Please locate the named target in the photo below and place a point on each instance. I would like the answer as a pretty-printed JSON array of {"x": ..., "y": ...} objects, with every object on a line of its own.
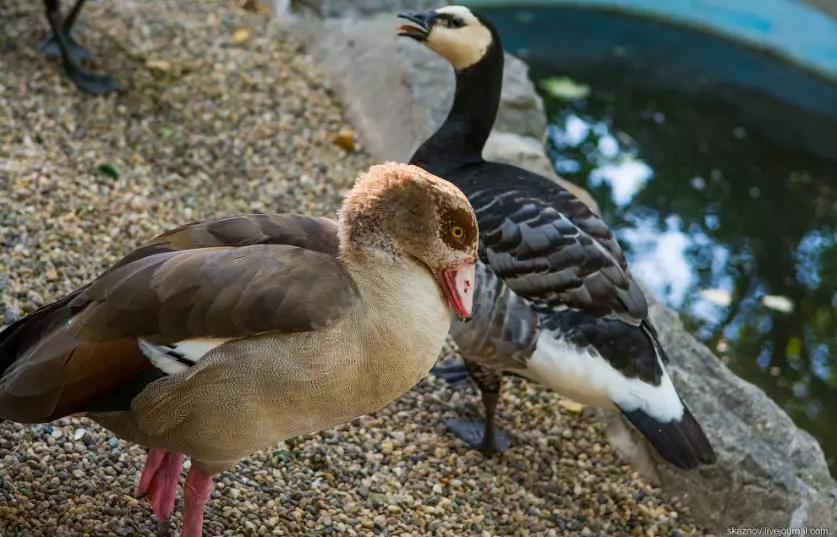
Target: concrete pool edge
[{"x": 790, "y": 29}]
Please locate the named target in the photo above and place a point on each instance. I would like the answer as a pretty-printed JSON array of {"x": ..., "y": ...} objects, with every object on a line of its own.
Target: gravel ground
[{"x": 217, "y": 122}]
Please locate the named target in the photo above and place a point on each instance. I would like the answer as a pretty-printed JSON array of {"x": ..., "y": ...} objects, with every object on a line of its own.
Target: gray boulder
[{"x": 770, "y": 473}]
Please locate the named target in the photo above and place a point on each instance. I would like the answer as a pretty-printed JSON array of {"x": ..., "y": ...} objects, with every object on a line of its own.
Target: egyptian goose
[
  {"x": 222, "y": 338},
  {"x": 557, "y": 302}
]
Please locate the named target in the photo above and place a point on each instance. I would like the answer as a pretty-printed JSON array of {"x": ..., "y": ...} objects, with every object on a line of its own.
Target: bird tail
[
  {"x": 40, "y": 344},
  {"x": 680, "y": 442},
  {"x": 30, "y": 328}
]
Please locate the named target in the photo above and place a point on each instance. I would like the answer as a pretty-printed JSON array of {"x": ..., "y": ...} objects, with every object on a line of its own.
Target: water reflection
[{"x": 730, "y": 228}]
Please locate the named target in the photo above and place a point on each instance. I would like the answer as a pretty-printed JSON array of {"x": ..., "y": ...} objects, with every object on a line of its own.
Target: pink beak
[{"x": 458, "y": 283}]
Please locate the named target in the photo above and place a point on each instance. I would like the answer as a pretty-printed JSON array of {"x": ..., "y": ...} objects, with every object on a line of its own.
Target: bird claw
[
  {"x": 158, "y": 483},
  {"x": 163, "y": 527},
  {"x": 90, "y": 82},
  {"x": 48, "y": 45},
  {"x": 472, "y": 432}
]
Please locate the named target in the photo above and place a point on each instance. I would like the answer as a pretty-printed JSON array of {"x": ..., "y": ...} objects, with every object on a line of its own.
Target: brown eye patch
[{"x": 457, "y": 228}]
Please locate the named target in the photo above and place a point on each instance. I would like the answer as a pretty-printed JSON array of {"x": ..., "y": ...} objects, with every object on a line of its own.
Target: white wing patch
[
  {"x": 590, "y": 379},
  {"x": 179, "y": 357}
]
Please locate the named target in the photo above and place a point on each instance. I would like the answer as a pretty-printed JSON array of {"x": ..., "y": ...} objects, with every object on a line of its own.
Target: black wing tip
[{"x": 681, "y": 443}]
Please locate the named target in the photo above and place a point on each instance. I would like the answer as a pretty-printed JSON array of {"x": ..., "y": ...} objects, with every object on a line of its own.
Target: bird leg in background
[
  {"x": 159, "y": 484},
  {"x": 72, "y": 54},
  {"x": 197, "y": 491},
  {"x": 502, "y": 334},
  {"x": 49, "y": 44},
  {"x": 483, "y": 435}
]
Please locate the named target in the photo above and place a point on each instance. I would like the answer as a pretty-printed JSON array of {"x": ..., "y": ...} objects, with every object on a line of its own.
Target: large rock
[{"x": 770, "y": 473}]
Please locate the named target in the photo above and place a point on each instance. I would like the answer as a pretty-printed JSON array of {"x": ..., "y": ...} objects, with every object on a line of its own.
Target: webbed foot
[
  {"x": 472, "y": 432},
  {"x": 90, "y": 82},
  {"x": 454, "y": 373},
  {"x": 48, "y": 45}
]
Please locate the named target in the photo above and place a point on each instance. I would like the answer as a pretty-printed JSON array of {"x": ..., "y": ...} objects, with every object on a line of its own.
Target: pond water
[{"x": 716, "y": 166}]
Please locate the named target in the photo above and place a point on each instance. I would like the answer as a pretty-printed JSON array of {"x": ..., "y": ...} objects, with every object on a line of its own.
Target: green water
[{"x": 721, "y": 186}]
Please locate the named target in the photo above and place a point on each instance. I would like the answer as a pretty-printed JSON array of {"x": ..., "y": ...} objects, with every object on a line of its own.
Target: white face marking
[
  {"x": 461, "y": 46},
  {"x": 589, "y": 379}
]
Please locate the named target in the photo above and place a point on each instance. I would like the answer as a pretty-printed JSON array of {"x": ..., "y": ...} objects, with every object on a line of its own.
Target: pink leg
[
  {"x": 159, "y": 484},
  {"x": 197, "y": 491},
  {"x": 152, "y": 462}
]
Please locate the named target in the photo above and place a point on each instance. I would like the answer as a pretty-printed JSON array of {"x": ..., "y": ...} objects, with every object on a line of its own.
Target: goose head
[
  {"x": 397, "y": 212},
  {"x": 453, "y": 32}
]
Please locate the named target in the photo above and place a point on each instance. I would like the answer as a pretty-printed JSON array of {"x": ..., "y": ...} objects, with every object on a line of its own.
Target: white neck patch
[{"x": 463, "y": 46}]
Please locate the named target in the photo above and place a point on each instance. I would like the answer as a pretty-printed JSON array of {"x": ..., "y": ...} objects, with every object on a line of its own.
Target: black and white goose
[{"x": 557, "y": 303}]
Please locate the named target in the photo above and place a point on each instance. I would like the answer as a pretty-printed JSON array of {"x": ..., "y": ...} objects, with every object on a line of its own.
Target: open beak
[
  {"x": 423, "y": 23},
  {"x": 458, "y": 284}
]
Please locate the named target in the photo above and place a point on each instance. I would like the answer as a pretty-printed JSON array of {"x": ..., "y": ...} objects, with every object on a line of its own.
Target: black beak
[{"x": 423, "y": 22}]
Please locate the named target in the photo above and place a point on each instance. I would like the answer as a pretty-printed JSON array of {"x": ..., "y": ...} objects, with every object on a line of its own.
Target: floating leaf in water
[
  {"x": 778, "y": 303},
  {"x": 717, "y": 296},
  {"x": 108, "y": 170},
  {"x": 525, "y": 16},
  {"x": 563, "y": 87},
  {"x": 241, "y": 35},
  {"x": 625, "y": 138},
  {"x": 794, "y": 347},
  {"x": 620, "y": 51}
]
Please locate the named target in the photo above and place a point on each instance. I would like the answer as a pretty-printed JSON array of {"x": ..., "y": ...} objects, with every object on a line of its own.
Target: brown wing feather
[
  {"x": 230, "y": 277},
  {"x": 54, "y": 374},
  {"x": 312, "y": 233},
  {"x": 91, "y": 374},
  {"x": 215, "y": 292}
]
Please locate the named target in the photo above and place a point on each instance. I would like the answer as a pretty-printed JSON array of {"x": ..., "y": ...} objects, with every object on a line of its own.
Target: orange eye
[{"x": 457, "y": 232}]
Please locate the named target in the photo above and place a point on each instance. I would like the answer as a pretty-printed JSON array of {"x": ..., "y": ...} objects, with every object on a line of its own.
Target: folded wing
[
  {"x": 549, "y": 248},
  {"x": 226, "y": 278}
]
